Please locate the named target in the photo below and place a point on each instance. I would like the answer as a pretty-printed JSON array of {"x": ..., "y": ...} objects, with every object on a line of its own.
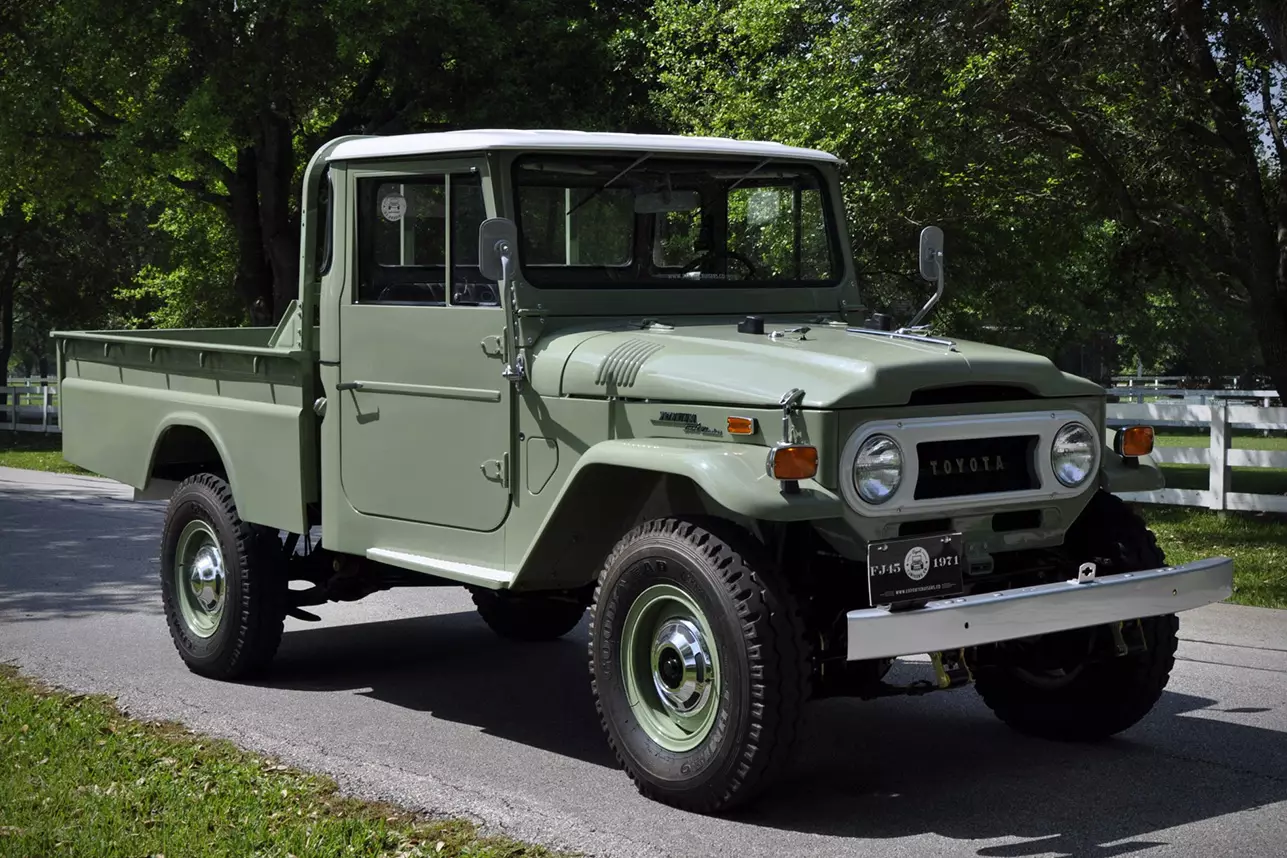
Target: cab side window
[{"x": 418, "y": 241}]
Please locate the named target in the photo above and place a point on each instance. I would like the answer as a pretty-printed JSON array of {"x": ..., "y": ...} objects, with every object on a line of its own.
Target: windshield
[{"x": 640, "y": 220}]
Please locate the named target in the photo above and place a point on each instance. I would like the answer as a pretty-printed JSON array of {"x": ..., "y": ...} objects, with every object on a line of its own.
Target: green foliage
[
  {"x": 1069, "y": 149},
  {"x": 204, "y": 115},
  {"x": 191, "y": 286}
]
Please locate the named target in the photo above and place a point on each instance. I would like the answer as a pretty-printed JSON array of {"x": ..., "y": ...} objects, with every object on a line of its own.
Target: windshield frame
[{"x": 644, "y": 238}]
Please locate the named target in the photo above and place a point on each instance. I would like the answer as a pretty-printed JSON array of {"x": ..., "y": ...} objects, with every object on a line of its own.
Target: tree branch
[
  {"x": 1274, "y": 18},
  {"x": 199, "y": 190},
  {"x": 350, "y": 115},
  {"x": 1267, "y": 102},
  {"x": 214, "y": 165},
  {"x": 91, "y": 107},
  {"x": 73, "y": 136}
]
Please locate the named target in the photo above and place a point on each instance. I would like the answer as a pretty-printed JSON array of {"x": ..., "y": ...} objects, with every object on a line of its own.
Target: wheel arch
[
  {"x": 617, "y": 484},
  {"x": 185, "y": 444}
]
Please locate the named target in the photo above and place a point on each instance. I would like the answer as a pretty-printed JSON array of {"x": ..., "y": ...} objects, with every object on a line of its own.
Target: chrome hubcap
[
  {"x": 681, "y": 666},
  {"x": 200, "y": 579},
  {"x": 670, "y": 667}
]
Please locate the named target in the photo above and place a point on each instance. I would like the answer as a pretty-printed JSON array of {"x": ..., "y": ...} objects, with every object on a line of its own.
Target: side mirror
[
  {"x": 931, "y": 269},
  {"x": 497, "y": 244},
  {"x": 931, "y": 253}
]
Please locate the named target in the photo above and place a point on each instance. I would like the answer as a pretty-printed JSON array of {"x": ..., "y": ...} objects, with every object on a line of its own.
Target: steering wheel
[{"x": 721, "y": 254}]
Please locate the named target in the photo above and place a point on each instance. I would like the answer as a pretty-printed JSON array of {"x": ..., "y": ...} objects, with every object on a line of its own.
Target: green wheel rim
[
  {"x": 200, "y": 580},
  {"x": 671, "y": 670}
]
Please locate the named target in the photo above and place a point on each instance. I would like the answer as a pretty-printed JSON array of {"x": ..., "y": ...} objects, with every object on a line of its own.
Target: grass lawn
[
  {"x": 1256, "y": 542},
  {"x": 78, "y": 778},
  {"x": 35, "y": 452},
  {"x": 1238, "y": 442}
]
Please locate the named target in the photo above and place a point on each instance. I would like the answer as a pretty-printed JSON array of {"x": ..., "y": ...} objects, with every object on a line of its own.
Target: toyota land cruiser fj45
[{"x": 632, "y": 376}]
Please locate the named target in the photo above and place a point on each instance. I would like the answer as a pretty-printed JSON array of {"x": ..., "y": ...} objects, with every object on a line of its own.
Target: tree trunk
[
  {"x": 279, "y": 230},
  {"x": 8, "y": 281},
  {"x": 254, "y": 279}
]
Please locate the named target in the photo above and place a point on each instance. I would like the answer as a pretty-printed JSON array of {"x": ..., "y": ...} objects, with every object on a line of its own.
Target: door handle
[{"x": 349, "y": 385}]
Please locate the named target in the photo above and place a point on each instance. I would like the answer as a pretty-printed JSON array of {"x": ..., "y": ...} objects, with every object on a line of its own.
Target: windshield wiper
[{"x": 604, "y": 186}]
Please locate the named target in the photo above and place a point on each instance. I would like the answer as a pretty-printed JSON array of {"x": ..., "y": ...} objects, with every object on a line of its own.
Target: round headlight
[
  {"x": 1073, "y": 454},
  {"x": 878, "y": 469}
]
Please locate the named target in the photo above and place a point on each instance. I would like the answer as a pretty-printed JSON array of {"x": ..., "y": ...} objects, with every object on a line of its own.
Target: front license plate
[{"x": 915, "y": 569}]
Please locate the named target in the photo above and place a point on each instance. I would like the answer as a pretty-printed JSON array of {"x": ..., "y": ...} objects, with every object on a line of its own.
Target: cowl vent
[{"x": 621, "y": 366}]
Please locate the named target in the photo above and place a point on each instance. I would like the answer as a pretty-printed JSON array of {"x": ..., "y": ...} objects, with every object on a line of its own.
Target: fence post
[
  {"x": 44, "y": 409},
  {"x": 1219, "y": 476}
]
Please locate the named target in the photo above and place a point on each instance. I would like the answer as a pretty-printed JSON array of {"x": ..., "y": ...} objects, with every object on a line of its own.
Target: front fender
[
  {"x": 1118, "y": 475},
  {"x": 731, "y": 474},
  {"x": 612, "y": 483}
]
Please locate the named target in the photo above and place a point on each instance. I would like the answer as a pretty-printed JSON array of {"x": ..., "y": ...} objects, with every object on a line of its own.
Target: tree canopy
[{"x": 1095, "y": 164}]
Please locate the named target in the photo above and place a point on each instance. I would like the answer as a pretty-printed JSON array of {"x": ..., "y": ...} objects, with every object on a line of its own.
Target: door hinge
[{"x": 497, "y": 470}]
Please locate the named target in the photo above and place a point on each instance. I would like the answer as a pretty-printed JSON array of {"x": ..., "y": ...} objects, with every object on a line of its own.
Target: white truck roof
[{"x": 490, "y": 139}]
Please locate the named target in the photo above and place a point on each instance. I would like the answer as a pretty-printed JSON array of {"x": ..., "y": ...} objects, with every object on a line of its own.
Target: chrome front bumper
[{"x": 966, "y": 621}]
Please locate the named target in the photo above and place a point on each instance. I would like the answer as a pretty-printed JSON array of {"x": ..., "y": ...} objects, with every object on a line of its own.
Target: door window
[{"x": 418, "y": 241}]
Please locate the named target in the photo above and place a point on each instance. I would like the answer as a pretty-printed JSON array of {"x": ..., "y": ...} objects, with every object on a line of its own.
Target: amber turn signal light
[
  {"x": 793, "y": 462},
  {"x": 741, "y": 425},
  {"x": 1133, "y": 441}
]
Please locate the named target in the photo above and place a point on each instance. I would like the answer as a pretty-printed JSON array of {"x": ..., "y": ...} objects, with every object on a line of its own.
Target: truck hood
[{"x": 714, "y": 363}]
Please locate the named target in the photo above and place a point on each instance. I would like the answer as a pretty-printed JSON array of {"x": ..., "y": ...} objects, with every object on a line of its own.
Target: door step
[{"x": 465, "y": 573}]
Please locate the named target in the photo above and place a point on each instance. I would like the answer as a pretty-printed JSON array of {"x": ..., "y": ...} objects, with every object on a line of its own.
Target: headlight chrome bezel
[
  {"x": 900, "y": 468},
  {"x": 1088, "y": 448}
]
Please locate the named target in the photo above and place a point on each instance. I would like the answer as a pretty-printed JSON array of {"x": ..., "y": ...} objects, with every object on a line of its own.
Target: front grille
[{"x": 975, "y": 466}]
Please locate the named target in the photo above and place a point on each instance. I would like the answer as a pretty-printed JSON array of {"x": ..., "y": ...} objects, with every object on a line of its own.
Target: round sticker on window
[{"x": 393, "y": 207}]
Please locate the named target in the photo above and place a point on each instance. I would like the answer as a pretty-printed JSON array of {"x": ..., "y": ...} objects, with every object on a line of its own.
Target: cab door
[{"x": 424, "y": 412}]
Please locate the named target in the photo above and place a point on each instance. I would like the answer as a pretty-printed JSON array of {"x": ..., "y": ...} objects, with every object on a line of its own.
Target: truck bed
[{"x": 149, "y": 408}]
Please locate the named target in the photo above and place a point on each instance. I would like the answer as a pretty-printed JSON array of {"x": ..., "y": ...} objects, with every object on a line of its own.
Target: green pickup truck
[{"x": 633, "y": 376}]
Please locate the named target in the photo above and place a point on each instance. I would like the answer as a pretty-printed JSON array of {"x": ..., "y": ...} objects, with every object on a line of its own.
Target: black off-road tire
[
  {"x": 760, "y": 642},
  {"x": 529, "y": 617},
  {"x": 254, "y": 613},
  {"x": 1108, "y": 696}
]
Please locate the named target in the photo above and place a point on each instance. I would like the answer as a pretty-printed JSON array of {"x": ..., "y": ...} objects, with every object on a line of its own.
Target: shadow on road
[
  {"x": 63, "y": 558},
  {"x": 455, "y": 668},
  {"x": 912, "y": 767},
  {"x": 887, "y": 769}
]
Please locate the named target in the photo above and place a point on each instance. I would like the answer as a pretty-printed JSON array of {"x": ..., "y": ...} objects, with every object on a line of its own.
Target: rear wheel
[
  {"x": 699, "y": 663},
  {"x": 222, "y": 584},
  {"x": 1065, "y": 687}
]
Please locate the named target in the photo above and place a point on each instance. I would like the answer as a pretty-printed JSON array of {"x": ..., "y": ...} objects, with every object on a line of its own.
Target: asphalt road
[{"x": 408, "y": 696}]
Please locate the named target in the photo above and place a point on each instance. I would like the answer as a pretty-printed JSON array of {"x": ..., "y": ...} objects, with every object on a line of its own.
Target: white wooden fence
[
  {"x": 32, "y": 406},
  {"x": 1217, "y": 454}
]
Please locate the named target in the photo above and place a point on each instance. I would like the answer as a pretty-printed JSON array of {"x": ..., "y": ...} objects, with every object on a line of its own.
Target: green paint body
[{"x": 393, "y": 429}]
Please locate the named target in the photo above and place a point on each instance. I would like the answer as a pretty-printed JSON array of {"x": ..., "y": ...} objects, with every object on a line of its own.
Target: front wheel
[
  {"x": 1065, "y": 687},
  {"x": 222, "y": 586},
  {"x": 699, "y": 663}
]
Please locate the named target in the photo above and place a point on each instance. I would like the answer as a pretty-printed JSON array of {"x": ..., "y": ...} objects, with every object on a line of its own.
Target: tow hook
[{"x": 950, "y": 669}]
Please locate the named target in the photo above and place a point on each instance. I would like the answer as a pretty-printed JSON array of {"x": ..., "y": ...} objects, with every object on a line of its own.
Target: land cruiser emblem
[
  {"x": 916, "y": 563},
  {"x": 970, "y": 465},
  {"x": 686, "y": 420}
]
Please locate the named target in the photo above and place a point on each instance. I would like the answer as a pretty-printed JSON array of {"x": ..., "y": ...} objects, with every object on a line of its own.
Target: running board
[{"x": 465, "y": 573}]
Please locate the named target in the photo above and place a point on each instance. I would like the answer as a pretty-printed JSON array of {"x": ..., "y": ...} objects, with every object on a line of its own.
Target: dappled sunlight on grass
[
  {"x": 35, "y": 452},
  {"x": 1257, "y": 542}
]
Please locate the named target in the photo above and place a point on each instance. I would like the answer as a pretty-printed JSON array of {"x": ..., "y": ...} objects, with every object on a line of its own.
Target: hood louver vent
[{"x": 621, "y": 366}]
